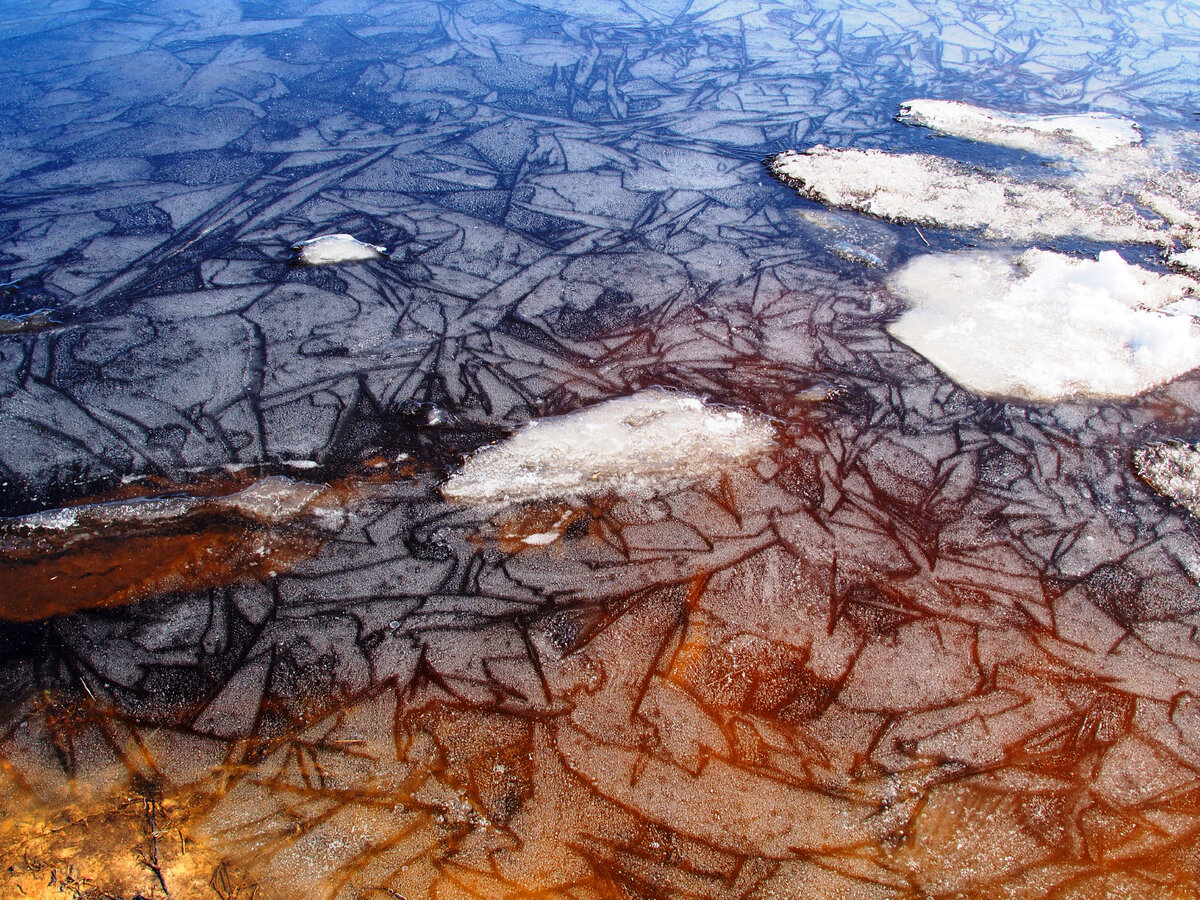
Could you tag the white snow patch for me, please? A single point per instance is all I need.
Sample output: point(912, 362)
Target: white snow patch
point(336, 248)
point(929, 190)
point(1044, 326)
point(1063, 135)
point(541, 539)
point(1173, 470)
point(641, 445)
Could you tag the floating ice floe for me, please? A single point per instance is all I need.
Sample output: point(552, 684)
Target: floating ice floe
point(633, 446)
point(929, 190)
point(336, 248)
point(1173, 470)
point(1048, 135)
point(1043, 326)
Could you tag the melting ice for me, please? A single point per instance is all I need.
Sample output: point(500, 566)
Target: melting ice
point(1173, 470)
point(930, 190)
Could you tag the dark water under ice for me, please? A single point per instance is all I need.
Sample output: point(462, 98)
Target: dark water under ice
point(936, 645)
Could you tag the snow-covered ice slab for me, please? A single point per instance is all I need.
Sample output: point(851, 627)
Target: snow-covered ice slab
point(329, 249)
point(1044, 326)
point(633, 446)
point(929, 190)
point(1048, 135)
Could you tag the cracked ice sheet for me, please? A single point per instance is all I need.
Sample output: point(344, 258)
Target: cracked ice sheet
point(934, 643)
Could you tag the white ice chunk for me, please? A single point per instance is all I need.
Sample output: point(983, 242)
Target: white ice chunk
point(336, 248)
point(633, 446)
point(929, 190)
point(1189, 259)
point(1048, 135)
point(1173, 470)
point(1044, 326)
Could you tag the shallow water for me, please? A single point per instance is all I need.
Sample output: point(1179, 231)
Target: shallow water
point(933, 644)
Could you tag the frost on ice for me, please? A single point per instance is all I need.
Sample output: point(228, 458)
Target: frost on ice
point(1044, 326)
point(1173, 470)
point(632, 445)
point(1049, 135)
point(336, 248)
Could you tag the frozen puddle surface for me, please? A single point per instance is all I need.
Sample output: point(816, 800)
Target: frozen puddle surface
point(1043, 326)
point(632, 446)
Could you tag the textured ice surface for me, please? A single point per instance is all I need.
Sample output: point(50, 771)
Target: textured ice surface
point(934, 644)
point(633, 446)
point(336, 248)
point(1051, 135)
point(1044, 326)
point(1173, 470)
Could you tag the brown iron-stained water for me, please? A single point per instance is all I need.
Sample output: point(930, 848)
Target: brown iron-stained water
point(908, 642)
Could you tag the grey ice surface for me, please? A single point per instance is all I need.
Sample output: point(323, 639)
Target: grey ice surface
point(576, 209)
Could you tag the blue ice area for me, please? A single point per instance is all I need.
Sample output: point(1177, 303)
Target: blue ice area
point(933, 643)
